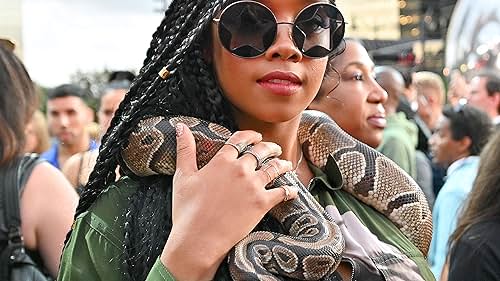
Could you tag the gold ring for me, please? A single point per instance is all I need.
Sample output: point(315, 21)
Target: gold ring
point(287, 193)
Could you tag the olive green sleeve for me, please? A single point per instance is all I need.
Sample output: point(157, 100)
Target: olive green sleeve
point(90, 255)
point(95, 249)
point(159, 273)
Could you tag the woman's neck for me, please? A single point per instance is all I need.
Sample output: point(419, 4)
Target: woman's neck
point(285, 134)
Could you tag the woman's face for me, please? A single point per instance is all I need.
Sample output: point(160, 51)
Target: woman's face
point(276, 86)
point(356, 103)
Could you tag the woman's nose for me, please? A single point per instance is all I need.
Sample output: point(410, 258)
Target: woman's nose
point(377, 93)
point(283, 46)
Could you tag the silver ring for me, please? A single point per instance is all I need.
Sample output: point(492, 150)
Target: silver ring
point(287, 193)
point(269, 177)
point(257, 157)
point(275, 169)
point(239, 147)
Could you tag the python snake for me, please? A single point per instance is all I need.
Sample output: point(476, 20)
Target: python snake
point(311, 247)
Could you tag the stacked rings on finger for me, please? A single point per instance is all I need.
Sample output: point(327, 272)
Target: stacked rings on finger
point(269, 176)
point(257, 157)
point(239, 147)
point(275, 170)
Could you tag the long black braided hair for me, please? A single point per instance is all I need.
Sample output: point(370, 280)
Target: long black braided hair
point(191, 89)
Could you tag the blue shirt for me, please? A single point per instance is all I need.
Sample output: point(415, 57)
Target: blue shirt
point(459, 180)
point(52, 155)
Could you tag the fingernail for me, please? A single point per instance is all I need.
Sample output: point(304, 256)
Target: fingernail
point(179, 129)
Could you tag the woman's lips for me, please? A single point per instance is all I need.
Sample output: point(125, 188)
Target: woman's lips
point(281, 83)
point(377, 121)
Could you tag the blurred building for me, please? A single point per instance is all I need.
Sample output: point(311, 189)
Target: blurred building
point(473, 39)
point(11, 22)
point(375, 19)
point(427, 21)
point(404, 33)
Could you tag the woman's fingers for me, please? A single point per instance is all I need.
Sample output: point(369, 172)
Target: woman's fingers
point(239, 141)
point(273, 169)
point(255, 156)
point(269, 172)
point(225, 199)
point(282, 194)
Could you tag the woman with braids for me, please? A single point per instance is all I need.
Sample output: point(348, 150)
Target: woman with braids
point(252, 67)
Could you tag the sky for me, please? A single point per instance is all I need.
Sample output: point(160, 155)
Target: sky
point(61, 37)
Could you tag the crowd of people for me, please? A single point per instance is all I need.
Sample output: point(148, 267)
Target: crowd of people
point(443, 135)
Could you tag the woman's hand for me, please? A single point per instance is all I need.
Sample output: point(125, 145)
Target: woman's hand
point(217, 206)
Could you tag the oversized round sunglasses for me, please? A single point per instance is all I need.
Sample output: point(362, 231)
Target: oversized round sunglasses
point(248, 28)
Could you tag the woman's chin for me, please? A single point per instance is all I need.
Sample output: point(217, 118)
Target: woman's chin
point(374, 139)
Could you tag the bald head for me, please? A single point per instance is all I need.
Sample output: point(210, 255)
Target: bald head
point(393, 83)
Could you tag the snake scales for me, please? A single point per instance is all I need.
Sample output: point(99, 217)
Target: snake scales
point(312, 247)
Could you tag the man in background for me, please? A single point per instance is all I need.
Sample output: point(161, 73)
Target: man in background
point(400, 136)
point(67, 117)
point(408, 100)
point(459, 138)
point(79, 166)
point(485, 94)
point(431, 99)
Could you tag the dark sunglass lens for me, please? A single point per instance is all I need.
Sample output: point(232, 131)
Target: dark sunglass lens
point(337, 29)
point(247, 29)
point(319, 30)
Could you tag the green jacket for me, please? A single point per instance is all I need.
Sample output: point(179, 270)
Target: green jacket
point(399, 142)
point(95, 248)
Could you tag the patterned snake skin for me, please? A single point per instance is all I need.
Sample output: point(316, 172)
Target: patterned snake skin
point(311, 247)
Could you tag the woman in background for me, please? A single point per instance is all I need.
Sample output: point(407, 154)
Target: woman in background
point(37, 134)
point(47, 199)
point(350, 95)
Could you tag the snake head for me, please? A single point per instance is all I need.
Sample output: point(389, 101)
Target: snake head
point(142, 155)
point(151, 149)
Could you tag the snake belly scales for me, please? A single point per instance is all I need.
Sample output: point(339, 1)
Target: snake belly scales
point(311, 247)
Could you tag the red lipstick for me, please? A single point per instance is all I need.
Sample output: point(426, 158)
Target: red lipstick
point(280, 83)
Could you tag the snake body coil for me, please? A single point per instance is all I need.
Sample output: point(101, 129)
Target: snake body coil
point(311, 247)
